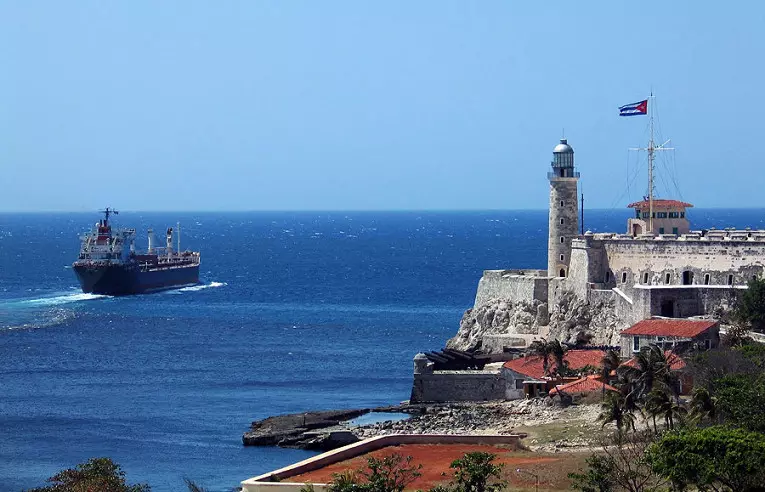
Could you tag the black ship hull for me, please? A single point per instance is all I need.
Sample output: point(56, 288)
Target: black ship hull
point(117, 280)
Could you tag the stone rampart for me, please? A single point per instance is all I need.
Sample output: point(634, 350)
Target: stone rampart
point(444, 386)
point(515, 285)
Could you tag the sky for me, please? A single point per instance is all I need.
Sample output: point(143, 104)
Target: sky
point(349, 105)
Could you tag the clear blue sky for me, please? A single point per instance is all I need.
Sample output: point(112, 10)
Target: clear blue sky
point(303, 105)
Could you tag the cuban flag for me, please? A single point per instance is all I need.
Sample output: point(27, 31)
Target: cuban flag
point(634, 109)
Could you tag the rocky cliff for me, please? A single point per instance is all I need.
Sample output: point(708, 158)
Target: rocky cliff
point(571, 317)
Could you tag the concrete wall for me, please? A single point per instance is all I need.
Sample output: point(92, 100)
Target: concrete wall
point(443, 386)
point(516, 285)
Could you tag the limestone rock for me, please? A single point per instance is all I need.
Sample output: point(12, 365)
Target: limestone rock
point(497, 317)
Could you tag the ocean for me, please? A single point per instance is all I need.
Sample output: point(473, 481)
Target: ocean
point(295, 312)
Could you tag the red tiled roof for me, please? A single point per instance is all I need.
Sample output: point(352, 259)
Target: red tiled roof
point(675, 362)
point(657, 203)
point(679, 328)
point(587, 384)
point(532, 365)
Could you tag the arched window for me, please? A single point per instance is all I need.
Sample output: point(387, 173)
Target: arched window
point(667, 278)
point(561, 257)
point(562, 239)
point(645, 278)
point(687, 277)
point(706, 279)
point(562, 272)
point(561, 221)
point(624, 277)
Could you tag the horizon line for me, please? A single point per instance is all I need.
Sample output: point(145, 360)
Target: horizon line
point(412, 210)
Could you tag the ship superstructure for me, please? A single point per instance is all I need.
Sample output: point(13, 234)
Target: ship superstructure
point(109, 264)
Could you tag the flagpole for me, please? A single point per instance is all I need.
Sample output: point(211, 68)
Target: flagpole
point(650, 165)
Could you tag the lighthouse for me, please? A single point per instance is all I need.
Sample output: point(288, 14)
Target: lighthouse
point(564, 210)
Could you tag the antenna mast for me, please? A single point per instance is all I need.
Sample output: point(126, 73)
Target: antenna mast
point(651, 149)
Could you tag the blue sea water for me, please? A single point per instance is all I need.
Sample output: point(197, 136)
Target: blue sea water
point(295, 312)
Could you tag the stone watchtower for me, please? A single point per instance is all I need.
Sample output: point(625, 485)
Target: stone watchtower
point(564, 209)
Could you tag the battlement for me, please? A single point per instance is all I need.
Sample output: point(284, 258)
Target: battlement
point(706, 236)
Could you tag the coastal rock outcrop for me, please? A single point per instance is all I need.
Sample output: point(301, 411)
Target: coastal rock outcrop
point(570, 316)
point(498, 317)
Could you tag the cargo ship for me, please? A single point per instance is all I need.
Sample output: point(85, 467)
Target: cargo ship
point(109, 264)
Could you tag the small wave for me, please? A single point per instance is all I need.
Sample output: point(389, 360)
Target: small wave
point(66, 299)
point(196, 288)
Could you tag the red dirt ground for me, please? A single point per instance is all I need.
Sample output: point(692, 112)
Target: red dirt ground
point(436, 458)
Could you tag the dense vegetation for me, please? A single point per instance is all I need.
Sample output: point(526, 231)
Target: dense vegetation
point(712, 440)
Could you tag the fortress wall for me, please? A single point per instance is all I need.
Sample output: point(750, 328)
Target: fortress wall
point(443, 386)
point(718, 259)
point(516, 285)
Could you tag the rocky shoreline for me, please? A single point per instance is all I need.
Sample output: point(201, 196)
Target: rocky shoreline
point(574, 426)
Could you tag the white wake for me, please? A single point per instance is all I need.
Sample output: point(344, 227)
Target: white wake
point(65, 299)
point(195, 288)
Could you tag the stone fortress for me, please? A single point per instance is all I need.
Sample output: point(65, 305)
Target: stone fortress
point(600, 284)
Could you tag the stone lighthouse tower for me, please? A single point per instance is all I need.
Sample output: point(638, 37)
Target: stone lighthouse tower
point(564, 209)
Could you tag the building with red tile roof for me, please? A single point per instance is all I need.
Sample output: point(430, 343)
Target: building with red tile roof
point(530, 369)
point(588, 384)
point(670, 332)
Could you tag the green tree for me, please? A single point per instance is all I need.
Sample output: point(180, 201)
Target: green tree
point(390, 474)
point(720, 458)
point(750, 310)
point(740, 400)
point(476, 472)
point(598, 477)
point(620, 465)
point(95, 475)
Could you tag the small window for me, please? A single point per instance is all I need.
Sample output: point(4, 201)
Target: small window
point(645, 278)
point(562, 272)
point(674, 231)
point(667, 278)
point(707, 344)
point(682, 215)
point(645, 215)
point(519, 384)
point(674, 215)
point(706, 279)
point(561, 257)
point(562, 239)
point(636, 344)
point(661, 230)
point(730, 279)
point(661, 215)
point(624, 277)
point(561, 221)
point(561, 203)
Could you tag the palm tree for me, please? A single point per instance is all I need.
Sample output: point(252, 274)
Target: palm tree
point(702, 405)
point(652, 368)
point(558, 351)
point(616, 409)
point(610, 362)
point(541, 349)
point(660, 402)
